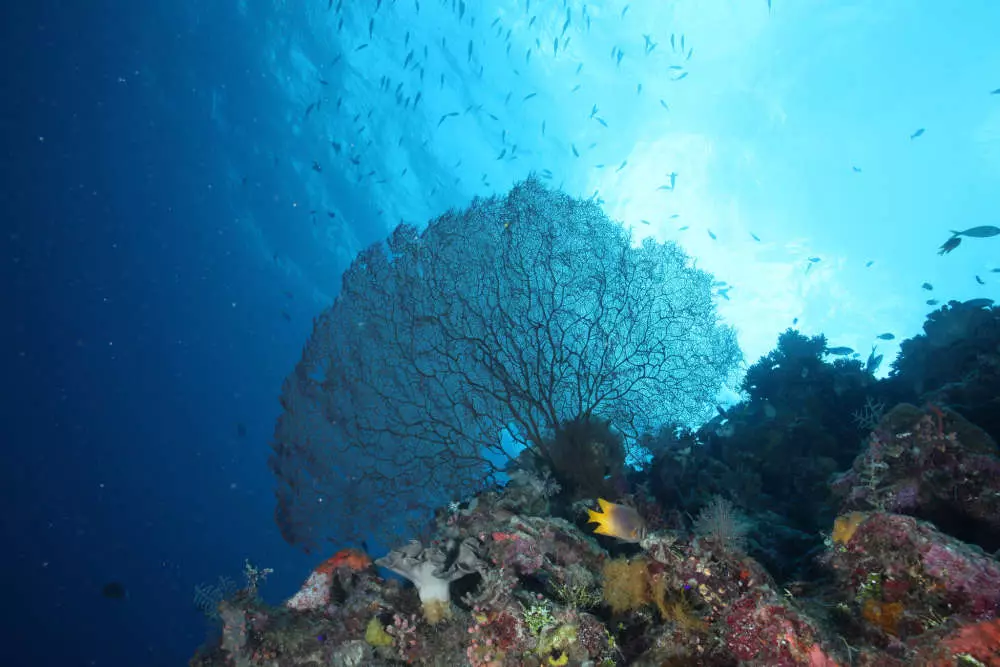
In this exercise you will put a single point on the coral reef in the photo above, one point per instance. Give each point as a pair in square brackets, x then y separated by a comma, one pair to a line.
[829, 518]
[496, 588]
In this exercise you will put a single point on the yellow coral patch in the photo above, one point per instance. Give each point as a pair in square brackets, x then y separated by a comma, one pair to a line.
[626, 584]
[376, 635]
[844, 526]
[561, 660]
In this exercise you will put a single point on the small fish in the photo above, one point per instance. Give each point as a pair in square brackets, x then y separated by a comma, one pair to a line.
[528, 97]
[949, 245]
[978, 303]
[664, 105]
[980, 280]
[994, 270]
[932, 302]
[869, 263]
[470, 51]
[621, 166]
[681, 229]
[814, 259]
[645, 222]
[624, 11]
[724, 293]
[983, 232]
[755, 237]
[502, 153]
[617, 521]
[928, 286]
[857, 170]
[885, 336]
[795, 321]
[839, 351]
[116, 590]
[917, 133]
[371, 27]
[317, 167]
[711, 234]
[995, 92]
[575, 152]
[447, 116]
[682, 76]
[601, 121]
[874, 360]
[362, 47]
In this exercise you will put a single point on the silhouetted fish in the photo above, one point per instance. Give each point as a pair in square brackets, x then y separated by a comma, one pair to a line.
[115, 590]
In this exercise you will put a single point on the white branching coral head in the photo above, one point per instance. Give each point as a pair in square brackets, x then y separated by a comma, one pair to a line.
[430, 573]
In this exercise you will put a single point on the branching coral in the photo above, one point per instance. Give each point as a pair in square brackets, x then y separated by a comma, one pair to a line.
[507, 320]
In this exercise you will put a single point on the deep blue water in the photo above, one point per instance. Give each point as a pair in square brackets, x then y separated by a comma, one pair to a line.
[140, 331]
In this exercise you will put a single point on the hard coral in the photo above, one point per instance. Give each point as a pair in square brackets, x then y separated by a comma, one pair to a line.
[764, 631]
[975, 645]
[933, 464]
[316, 592]
[903, 572]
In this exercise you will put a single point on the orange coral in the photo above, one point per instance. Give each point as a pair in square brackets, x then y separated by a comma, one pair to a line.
[979, 641]
[353, 559]
[884, 615]
[845, 526]
[982, 641]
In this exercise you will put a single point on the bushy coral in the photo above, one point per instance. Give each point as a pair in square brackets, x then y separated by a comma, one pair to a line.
[587, 457]
[626, 584]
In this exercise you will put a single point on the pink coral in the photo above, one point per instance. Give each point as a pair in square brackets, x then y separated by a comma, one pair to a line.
[772, 634]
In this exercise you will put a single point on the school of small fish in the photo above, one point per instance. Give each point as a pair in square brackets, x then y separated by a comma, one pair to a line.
[426, 62]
